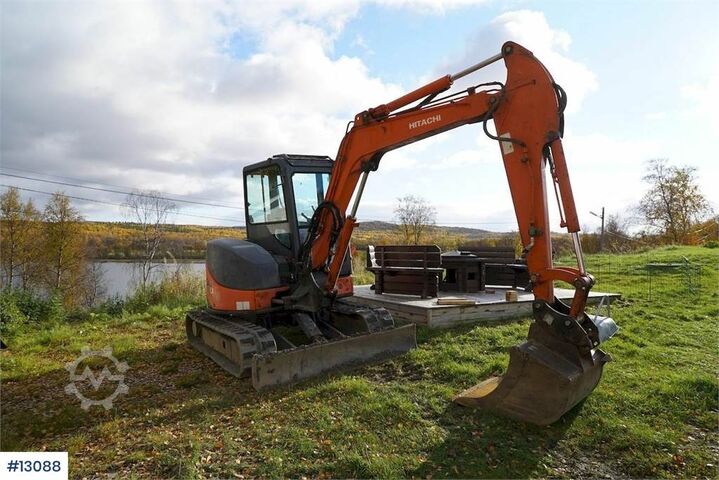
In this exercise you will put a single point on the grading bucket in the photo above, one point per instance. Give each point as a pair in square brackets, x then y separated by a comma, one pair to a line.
[546, 377]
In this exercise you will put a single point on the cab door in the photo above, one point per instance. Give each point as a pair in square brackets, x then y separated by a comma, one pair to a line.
[266, 200]
[308, 189]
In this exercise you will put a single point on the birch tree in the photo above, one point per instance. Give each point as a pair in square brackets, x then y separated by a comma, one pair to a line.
[150, 212]
[414, 215]
[19, 242]
[64, 250]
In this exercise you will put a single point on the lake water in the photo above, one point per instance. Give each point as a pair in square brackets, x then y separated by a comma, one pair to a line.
[121, 278]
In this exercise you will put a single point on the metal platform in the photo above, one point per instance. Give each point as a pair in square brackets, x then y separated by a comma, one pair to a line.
[489, 305]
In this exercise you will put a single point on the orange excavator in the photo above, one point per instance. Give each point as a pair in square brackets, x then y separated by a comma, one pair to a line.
[276, 311]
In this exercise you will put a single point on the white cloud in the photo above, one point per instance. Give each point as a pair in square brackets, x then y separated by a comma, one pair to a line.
[655, 116]
[360, 43]
[607, 172]
[531, 30]
[702, 102]
[430, 6]
[151, 94]
[157, 95]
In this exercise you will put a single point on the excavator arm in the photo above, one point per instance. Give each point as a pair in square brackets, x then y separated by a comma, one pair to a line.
[527, 112]
[560, 363]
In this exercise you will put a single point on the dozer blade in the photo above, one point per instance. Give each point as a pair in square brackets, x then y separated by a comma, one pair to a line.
[297, 364]
[546, 377]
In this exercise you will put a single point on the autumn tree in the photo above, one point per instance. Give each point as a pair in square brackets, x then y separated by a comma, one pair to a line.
[414, 215]
[31, 248]
[674, 202]
[11, 211]
[151, 212]
[64, 249]
[19, 242]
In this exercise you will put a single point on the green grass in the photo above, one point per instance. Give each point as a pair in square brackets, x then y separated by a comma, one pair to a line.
[654, 414]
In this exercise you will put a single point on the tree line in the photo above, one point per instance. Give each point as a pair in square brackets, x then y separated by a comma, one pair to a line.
[49, 252]
[44, 250]
[121, 240]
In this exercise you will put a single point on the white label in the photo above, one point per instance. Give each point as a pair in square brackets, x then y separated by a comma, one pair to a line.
[507, 147]
[34, 466]
[242, 305]
[425, 121]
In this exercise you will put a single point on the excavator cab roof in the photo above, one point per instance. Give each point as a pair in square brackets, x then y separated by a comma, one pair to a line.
[295, 162]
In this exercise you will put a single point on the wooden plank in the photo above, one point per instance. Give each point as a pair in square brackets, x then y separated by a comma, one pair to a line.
[414, 290]
[407, 263]
[407, 269]
[455, 301]
[492, 312]
[408, 248]
[400, 278]
[416, 315]
[404, 255]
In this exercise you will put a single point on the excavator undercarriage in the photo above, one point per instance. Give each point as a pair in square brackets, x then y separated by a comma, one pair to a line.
[351, 336]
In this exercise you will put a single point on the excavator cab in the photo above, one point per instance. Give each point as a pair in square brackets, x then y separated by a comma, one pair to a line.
[281, 195]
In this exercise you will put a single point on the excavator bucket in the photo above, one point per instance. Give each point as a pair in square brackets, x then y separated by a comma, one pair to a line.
[547, 374]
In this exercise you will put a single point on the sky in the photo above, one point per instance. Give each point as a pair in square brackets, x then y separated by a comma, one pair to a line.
[179, 97]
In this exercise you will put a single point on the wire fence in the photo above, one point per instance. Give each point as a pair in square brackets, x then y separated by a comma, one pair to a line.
[646, 277]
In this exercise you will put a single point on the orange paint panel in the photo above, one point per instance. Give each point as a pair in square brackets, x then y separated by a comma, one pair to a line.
[231, 300]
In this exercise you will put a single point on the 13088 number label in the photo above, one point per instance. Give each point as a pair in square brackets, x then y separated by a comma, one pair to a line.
[34, 465]
[38, 466]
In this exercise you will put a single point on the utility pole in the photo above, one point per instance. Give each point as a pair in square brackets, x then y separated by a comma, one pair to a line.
[601, 234]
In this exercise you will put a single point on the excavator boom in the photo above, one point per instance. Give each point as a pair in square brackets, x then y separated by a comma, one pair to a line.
[560, 363]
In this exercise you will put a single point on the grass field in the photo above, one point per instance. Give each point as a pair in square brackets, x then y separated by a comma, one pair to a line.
[654, 414]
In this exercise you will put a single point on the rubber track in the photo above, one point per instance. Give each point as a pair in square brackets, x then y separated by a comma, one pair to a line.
[251, 339]
[376, 319]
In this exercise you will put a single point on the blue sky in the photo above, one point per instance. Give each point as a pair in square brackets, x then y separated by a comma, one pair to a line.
[179, 97]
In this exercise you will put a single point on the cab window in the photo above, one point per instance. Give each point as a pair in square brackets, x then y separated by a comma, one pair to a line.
[310, 189]
[265, 196]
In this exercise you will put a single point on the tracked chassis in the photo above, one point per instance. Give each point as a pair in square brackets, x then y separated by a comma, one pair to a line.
[350, 336]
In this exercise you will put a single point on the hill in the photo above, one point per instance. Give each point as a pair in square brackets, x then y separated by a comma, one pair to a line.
[121, 240]
[379, 226]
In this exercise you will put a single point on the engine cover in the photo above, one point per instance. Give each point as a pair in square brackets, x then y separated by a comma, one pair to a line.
[242, 265]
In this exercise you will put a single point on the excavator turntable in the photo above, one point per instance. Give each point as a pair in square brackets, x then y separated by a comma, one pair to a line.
[275, 308]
